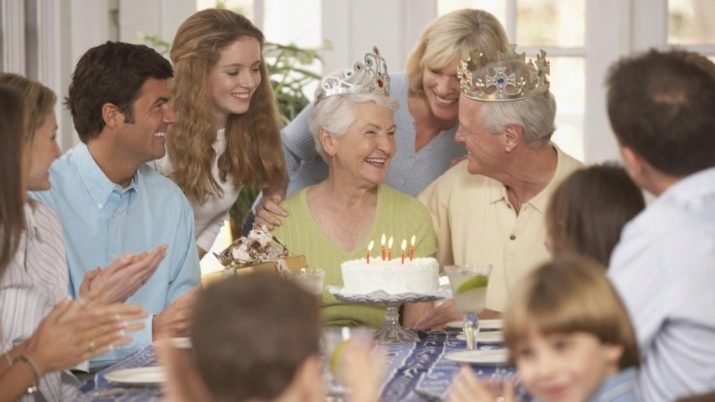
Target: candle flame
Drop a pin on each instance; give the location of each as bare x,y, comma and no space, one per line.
370,245
382,240
412,240
389,242
404,244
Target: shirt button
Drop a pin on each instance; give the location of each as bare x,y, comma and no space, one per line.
512,237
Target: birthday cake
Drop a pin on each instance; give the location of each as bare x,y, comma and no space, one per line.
419,275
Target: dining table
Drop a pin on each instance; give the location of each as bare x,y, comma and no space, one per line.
415,372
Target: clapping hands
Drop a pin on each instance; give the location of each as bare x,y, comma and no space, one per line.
121,278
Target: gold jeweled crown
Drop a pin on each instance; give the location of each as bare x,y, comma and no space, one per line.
505,77
365,77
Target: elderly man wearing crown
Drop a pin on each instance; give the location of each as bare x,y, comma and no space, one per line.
334,220
489,208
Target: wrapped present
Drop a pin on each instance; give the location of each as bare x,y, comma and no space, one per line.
259,251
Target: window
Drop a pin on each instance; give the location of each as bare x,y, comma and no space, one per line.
557,26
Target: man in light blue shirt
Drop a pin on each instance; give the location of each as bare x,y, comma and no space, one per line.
110,201
661,108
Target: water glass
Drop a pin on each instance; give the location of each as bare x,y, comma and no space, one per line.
469,290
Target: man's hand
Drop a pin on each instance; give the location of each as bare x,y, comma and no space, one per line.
447,312
116,282
269,211
175,320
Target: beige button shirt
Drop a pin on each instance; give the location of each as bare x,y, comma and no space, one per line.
475,224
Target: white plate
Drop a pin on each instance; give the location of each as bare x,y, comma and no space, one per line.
179,343
483,324
485,357
486,337
138,375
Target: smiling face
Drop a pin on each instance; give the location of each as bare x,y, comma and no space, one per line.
143,140
44,150
234,78
565,367
441,88
363,153
483,148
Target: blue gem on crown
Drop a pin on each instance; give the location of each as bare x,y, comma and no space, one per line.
505,77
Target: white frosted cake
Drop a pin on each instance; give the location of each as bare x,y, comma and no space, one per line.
417,276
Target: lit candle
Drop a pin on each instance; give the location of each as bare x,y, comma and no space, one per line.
369,250
382,246
389,248
404,246
412,247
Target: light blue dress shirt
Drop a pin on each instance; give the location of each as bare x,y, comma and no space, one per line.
620,387
664,269
102,221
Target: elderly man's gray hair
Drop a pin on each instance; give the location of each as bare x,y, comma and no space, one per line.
336,113
535,115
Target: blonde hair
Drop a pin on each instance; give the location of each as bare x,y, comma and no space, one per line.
253,146
27,105
12,217
451,36
39,102
570,295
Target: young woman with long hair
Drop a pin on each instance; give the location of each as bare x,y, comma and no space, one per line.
228,133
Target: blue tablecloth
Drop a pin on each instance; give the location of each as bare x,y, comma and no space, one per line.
415,372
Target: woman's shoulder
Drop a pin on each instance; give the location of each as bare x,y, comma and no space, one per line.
42,214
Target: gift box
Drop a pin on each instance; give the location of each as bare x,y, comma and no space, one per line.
286,264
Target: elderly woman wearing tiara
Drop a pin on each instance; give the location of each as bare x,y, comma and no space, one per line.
334,220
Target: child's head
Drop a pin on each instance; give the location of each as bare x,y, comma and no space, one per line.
588,210
256,337
567,330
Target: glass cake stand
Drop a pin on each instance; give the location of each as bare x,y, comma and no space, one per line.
391,332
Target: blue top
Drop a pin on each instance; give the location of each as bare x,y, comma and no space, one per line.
410,172
620,387
102,221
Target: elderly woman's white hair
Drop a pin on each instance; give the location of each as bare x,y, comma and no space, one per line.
335,114
535,115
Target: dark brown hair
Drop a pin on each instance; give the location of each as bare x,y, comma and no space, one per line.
661,105
12,219
251,334
111,73
253,154
567,296
589,209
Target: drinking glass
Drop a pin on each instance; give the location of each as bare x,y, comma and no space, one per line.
312,279
333,340
469,290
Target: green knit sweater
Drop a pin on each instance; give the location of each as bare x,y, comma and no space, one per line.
398,215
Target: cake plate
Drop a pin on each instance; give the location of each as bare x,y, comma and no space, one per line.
391,332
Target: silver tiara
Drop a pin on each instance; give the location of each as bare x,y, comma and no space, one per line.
365,77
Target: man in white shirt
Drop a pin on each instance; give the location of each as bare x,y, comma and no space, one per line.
661,106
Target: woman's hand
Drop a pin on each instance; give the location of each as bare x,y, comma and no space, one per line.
116,282
269,211
466,387
72,333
